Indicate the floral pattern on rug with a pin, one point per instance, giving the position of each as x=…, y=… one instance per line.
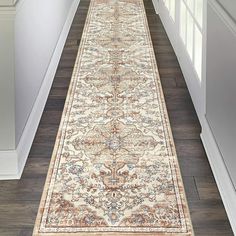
x=114, y=166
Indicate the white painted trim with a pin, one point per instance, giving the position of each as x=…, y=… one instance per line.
x=190, y=75
x=12, y=162
x=7, y=12
x=224, y=16
x=155, y=4
x=8, y=165
x=224, y=183
x=8, y=2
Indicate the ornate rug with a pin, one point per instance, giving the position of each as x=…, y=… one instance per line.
x=114, y=169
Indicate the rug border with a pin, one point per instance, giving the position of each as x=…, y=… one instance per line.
x=56, y=145
x=57, y=141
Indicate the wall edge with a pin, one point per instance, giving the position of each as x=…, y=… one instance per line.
x=13, y=161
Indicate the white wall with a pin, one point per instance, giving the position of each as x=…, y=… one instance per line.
x=186, y=30
x=32, y=34
x=185, y=24
x=7, y=2
x=219, y=128
x=38, y=25
x=7, y=111
x=221, y=87
x=212, y=83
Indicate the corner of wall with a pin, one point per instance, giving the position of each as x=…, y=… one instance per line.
x=12, y=162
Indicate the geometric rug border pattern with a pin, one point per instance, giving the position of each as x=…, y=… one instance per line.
x=114, y=168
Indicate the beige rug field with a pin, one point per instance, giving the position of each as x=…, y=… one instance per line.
x=114, y=169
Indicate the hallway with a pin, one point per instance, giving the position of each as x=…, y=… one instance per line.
x=20, y=198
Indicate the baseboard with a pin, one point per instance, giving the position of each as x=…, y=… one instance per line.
x=9, y=164
x=12, y=162
x=155, y=4
x=224, y=183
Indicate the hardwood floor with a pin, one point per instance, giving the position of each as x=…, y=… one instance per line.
x=19, y=199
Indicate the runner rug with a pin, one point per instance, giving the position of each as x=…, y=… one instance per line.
x=114, y=168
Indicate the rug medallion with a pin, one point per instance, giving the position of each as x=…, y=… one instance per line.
x=114, y=169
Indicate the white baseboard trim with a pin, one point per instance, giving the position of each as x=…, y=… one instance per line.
x=224, y=183
x=12, y=162
x=8, y=165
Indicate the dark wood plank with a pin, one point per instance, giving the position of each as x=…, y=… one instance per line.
x=209, y=216
x=18, y=214
x=207, y=188
x=190, y=188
